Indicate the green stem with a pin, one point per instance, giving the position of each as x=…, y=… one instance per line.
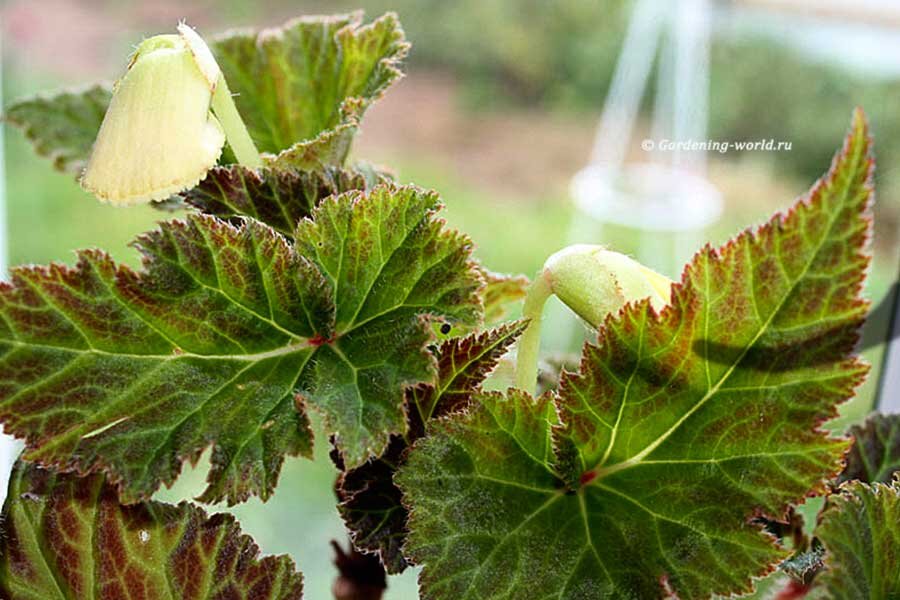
x=235, y=131
x=530, y=343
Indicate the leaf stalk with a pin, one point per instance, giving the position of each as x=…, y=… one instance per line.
x=530, y=343
x=235, y=130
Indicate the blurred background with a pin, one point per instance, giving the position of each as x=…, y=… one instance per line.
x=500, y=112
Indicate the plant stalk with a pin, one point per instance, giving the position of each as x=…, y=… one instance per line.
x=235, y=130
x=530, y=343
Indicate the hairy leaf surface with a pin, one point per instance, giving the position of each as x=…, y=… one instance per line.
x=678, y=428
x=225, y=336
x=370, y=502
x=875, y=454
x=301, y=89
x=463, y=365
x=66, y=537
x=278, y=198
x=860, y=529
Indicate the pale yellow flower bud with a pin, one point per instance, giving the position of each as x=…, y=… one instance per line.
x=595, y=282
x=159, y=135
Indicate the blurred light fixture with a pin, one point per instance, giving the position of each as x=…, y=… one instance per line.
x=663, y=203
x=664, y=199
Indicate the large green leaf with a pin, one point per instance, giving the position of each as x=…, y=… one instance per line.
x=875, y=454
x=860, y=530
x=370, y=503
x=664, y=452
x=225, y=336
x=301, y=89
x=65, y=538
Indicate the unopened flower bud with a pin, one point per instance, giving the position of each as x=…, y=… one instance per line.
x=595, y=282
x=159, y=135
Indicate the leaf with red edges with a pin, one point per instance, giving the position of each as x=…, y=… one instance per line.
x=370, y=503
x=303, y=88
x=278, y=198
x=499, y=291
x=674, y=433
x=67, y=537
x=463, y=365
x=103, y=368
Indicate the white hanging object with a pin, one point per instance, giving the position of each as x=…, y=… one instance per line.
x=666, y=201
x=669, y=192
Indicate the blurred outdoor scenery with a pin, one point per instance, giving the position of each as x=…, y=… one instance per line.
x=498, y=112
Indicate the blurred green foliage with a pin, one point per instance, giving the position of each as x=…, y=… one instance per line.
x=559, y=53
x=562, y=54
x=762, y=90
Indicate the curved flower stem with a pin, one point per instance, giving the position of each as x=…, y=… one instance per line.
x=530, y=343
x=593, y=282
x=235, y=130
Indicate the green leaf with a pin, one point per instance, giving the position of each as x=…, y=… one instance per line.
x=463, y=365
x=63, y=126
x=370, y=503
x=301, y=90
x=860, y=530
x=278, y=198
x=225, y=336
x=488, y=518
x=875, y=454
x=391, y=265
x=498, y=293
x=66, y=537
x=665, y=449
